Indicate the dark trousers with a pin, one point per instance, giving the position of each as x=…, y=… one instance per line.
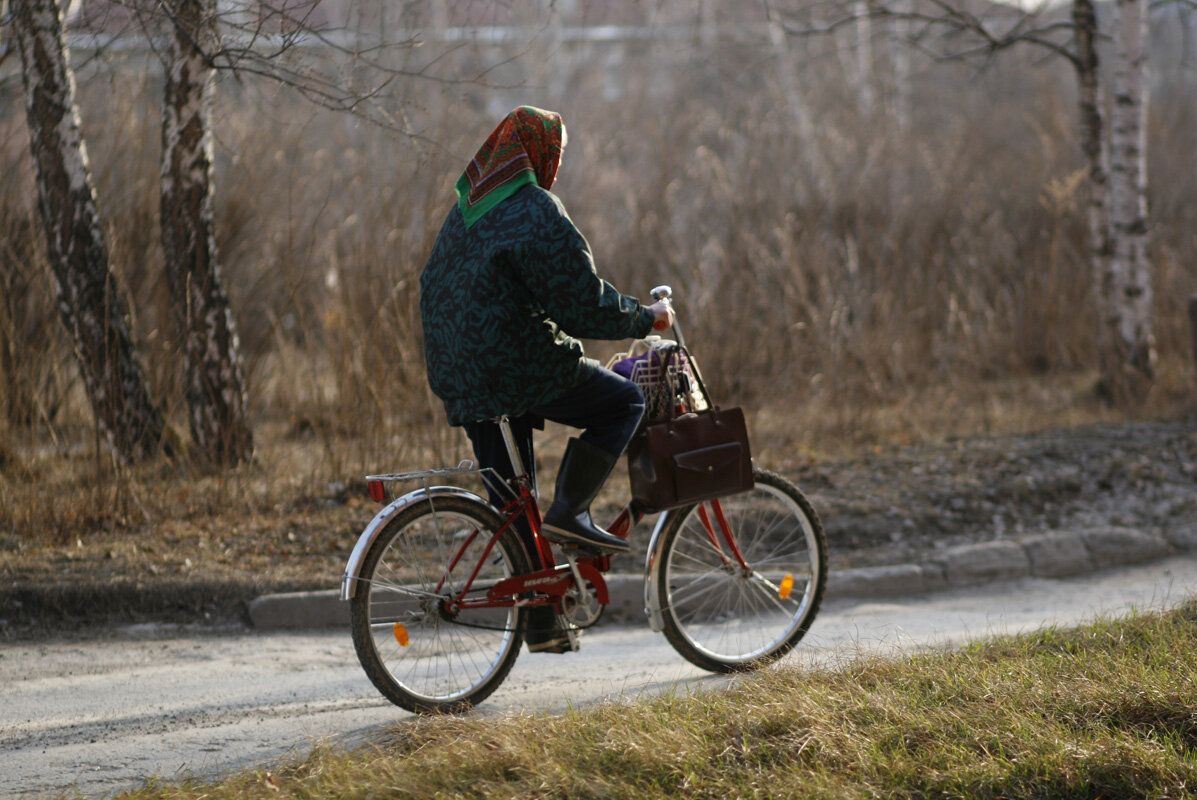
x=607, y=406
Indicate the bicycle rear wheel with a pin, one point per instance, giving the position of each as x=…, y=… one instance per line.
x=721, y=616
x=417, y=650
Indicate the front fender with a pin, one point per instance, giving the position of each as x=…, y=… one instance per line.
x=652, y=565
x=381, y=519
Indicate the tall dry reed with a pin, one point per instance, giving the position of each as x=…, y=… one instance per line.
x=821, y=276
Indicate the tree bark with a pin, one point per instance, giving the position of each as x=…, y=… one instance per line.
x=1084, y=17
x=1117, y=210
x=89, y=302
x=1093, y=145
x=1130, y=359
x=216, y=396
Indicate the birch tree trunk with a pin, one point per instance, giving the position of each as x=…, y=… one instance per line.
x=1093, y=126
x=1093, y=143
x=1129, y=359
x=216, y=395
x=89, y=302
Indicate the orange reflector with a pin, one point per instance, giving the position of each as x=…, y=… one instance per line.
x=377, y=492
x=401, y=634
x=787, y=585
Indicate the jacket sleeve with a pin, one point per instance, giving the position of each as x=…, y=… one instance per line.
x=557, y=268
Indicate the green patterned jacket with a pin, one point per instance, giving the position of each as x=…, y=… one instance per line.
x=503, y=301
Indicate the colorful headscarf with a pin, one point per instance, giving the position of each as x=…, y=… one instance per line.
x=524, y=148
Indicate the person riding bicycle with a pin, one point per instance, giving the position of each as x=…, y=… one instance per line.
x=509, y=285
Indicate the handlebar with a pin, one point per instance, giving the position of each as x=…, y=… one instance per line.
x=664, y=293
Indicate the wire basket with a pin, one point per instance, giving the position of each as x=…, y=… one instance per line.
x=666, y=377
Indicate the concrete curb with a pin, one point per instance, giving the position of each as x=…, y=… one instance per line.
x=1055, y=554
x=325, y=609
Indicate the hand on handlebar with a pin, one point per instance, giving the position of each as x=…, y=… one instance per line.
x=663, y=314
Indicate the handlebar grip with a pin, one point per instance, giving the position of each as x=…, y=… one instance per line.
x=663, y=294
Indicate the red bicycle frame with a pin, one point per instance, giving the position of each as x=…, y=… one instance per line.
x=547, y=584
x=543, y=586
x=725, y=531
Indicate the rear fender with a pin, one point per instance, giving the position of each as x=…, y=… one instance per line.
x=354, y=568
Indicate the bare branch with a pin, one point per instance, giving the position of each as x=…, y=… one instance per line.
x=944, y=21
x=286, y=43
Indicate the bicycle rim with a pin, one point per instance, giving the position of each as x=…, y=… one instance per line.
x=722, y=617
x=421, y=654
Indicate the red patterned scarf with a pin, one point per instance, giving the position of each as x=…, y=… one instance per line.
x=524, y=148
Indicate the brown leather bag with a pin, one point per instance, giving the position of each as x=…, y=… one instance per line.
x=694, y=457
x=680, y=460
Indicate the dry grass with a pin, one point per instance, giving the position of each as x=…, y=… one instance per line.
x=930, y=284
x=1105, y=710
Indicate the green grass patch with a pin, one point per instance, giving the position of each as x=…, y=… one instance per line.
x=1107, y=710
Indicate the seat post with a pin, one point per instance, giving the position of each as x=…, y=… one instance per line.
x=513, y=451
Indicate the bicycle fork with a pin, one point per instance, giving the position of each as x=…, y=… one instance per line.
x=722, y=540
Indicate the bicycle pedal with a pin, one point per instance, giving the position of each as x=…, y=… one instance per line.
x=579, y=550
x=567, y=643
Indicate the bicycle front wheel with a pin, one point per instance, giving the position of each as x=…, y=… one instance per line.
x=420, y=650
x=722, y=615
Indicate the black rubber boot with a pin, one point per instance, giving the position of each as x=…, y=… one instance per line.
x=545, y=631
x=583, y=470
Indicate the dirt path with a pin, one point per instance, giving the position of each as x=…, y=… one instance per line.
x=102, y=715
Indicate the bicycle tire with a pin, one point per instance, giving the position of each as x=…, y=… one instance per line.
x=450, y=662
x=721, y=619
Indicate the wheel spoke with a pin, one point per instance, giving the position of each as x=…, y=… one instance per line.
x=450, y=659
x=723, y=618
x=407, y=591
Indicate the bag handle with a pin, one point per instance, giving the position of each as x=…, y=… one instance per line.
x=694, y=369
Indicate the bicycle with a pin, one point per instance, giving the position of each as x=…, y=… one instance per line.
x=439, y=581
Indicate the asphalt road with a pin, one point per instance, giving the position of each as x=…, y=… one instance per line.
x=101, y=716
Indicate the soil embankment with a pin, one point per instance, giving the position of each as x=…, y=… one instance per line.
x=892, y=507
